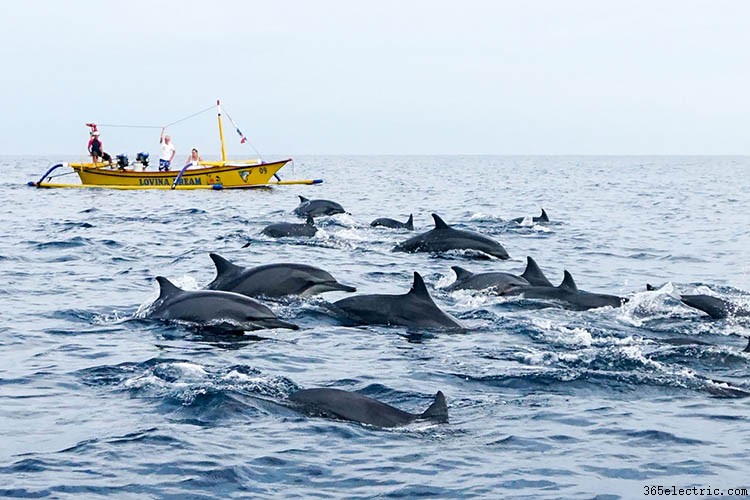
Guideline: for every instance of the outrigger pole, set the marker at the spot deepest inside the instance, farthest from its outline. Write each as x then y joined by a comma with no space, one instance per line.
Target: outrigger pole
221,133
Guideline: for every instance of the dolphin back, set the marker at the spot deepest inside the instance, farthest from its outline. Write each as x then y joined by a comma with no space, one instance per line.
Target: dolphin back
443,238
393,223
167,289
713,306
351,406
415,309
438,410
534,275
225,272
213,308
357,407
461,273
284,229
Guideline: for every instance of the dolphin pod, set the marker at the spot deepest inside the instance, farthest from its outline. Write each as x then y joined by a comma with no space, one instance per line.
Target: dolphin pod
273,280
356,407
394,224
443,238
317,208
541,219
412,309
498,282
227,299
715,307
213,308
284,229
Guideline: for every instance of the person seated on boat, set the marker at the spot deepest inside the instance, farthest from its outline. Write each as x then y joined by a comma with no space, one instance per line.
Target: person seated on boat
95,148
194,159
167,152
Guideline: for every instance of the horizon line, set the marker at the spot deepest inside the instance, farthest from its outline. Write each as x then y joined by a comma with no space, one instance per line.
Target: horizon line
291,155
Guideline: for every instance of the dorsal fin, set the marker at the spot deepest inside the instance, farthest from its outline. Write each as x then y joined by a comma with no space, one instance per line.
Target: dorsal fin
534,275
302,199
223,266
166,288
544,217
747,349
568,282
418,287
310,221
650,287
461,273
438,410
439,223
410,223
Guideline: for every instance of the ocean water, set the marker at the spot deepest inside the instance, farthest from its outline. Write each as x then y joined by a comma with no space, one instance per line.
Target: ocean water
543,402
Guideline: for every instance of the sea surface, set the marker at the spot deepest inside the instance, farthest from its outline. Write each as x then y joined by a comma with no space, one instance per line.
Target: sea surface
543,402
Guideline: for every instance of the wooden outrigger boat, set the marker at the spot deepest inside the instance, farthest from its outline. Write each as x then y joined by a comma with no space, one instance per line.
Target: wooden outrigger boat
224,174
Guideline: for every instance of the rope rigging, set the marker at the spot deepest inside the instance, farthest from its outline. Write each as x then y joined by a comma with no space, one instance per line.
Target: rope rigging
159,126
243,139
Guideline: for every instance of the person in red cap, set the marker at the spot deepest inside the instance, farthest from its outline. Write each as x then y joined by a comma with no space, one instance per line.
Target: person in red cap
95,148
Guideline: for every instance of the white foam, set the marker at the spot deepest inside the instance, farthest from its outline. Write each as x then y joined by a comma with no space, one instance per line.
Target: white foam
189,371
469,300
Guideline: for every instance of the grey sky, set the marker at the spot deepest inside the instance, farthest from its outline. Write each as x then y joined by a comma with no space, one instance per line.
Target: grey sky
386,77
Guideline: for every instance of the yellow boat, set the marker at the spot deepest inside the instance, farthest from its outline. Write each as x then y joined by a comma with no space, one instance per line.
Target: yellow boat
224,174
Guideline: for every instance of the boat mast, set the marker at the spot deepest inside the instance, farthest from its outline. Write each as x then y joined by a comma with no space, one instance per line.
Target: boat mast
221,134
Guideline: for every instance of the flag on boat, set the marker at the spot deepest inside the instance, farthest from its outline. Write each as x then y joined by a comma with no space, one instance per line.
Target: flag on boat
243,139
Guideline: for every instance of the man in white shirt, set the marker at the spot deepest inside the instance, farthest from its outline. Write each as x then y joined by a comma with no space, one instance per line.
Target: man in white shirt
167,152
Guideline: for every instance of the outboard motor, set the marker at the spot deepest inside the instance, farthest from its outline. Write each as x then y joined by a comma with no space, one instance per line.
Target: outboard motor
142,158
122,161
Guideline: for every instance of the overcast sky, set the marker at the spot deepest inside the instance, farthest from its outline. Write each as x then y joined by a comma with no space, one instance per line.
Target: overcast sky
385,77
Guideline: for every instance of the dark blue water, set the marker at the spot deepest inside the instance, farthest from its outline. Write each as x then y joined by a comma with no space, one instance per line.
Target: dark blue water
543,403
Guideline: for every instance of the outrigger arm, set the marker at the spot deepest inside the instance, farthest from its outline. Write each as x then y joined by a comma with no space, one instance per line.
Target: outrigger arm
47,174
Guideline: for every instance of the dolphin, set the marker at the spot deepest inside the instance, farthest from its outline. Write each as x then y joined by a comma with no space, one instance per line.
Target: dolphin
356,407
273,280
541,219
715,307
498,282
413,309
316,208
569,295
212,307
534,275
443,238
394,224
282,229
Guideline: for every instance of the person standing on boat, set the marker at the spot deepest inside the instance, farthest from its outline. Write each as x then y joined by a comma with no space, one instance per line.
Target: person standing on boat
194,159
167,152
95,148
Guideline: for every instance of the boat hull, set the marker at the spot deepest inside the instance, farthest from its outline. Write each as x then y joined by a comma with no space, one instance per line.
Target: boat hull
235,175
